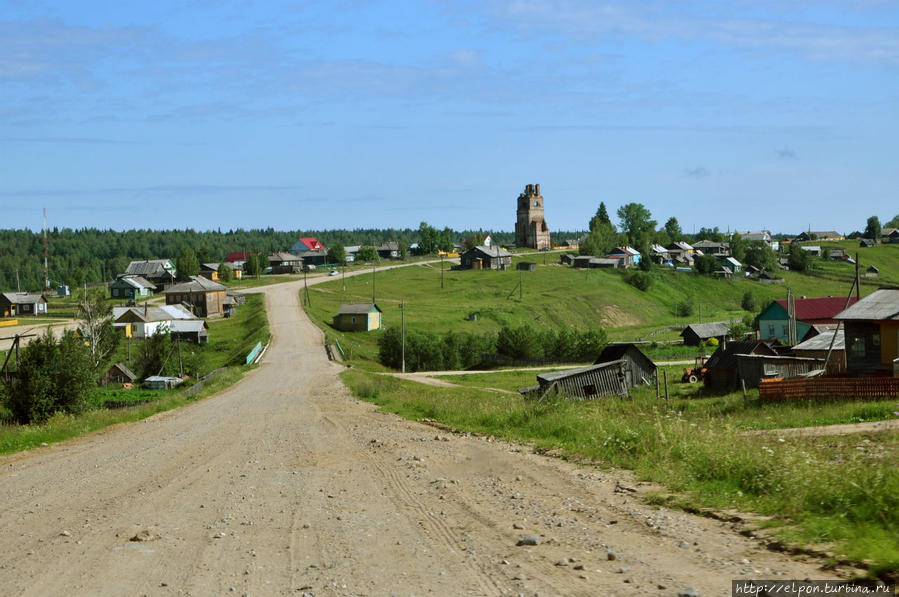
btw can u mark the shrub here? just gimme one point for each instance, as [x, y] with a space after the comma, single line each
[684, 308]
[749, 303]
[52, 377]
[639, 280]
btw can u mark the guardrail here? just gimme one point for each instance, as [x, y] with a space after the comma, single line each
[340, 350]
[254, 352]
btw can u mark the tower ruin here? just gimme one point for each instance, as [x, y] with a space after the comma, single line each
[531, 229]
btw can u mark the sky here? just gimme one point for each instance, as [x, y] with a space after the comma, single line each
[756, 114]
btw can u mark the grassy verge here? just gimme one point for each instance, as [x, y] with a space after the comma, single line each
[836, 494]
[231, 340]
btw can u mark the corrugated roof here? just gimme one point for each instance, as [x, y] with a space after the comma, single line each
[151, 267]
[822, 342]
[492, 251]
[136, 282]
[196, 284]
[556, 375]
[880, 305]
[356, 308]
[708, 330]
[187, 326]
[810, 309]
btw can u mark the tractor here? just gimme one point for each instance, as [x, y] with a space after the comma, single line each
[697, 372]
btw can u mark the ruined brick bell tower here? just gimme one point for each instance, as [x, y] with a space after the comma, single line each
[530, 227]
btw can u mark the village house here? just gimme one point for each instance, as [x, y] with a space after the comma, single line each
[189, 330]
[773, 321]
[146, 321]
[210, 271]
[285, 263]
[730, 263]
[158, 271]
[205, 297]
[811, 250]
[872, 272]
[130, 287]
[358, 317]
[872, 334]
[819, 235]
[721, 368]
[681, 253]
[626, 256]
[660, 255]
[892, 236]
[709, 247]
[482, 257]
[17, 304]
[583, 383]
[306, 244]
[697, 334]
[314, 258]
[389, 250]
[866, 243]
[351, 250]
[118, 374]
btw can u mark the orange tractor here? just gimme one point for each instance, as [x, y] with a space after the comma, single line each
[697, 372]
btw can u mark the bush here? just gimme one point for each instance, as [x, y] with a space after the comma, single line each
[52, 377]
[749, 303]
[684, 308]
[639, 280]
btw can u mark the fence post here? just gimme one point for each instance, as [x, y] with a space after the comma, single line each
[667, 397]
[743, 385]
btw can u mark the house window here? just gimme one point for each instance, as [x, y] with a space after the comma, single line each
[857, 348]
[784, 330]
[26, 308]
[354, 320]
[875, 339]
[771, 331]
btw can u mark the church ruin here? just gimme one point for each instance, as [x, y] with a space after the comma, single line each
[530, 227]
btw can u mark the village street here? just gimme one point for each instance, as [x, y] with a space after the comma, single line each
[284, 485]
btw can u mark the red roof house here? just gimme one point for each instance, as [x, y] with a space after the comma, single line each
[818, 310]
[306, 244]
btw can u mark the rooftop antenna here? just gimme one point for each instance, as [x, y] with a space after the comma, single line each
[46, 268]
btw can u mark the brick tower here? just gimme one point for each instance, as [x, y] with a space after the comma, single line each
[530, 227]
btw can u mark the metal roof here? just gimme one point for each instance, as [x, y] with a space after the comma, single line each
[151, 267]
[708, 330]
[818, 308]
[187, 325]
[196, 284]
[357, 308]
[822, 341]
[136, 281]
[556, 375]
[23, 298]
[492, 251]
[880, 305]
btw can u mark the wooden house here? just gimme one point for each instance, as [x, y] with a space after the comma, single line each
[358, 317]
[696, 334]
[210, 271]
[131, 287]
[118, 374]
[819, 235]
[285, 263]
[872, 272]
[893, 237]
[626, 256]
[752, 368]
[866, 243]
[872, 333]
[774, 321]
[713, 248]
[205, 297]
[314, 258]
[567, 259]
[160, 272]
[17, 304]
[639, 368]
[146, 321]
[189, 330]
[389, 250]
[482, 257]
[721, 368]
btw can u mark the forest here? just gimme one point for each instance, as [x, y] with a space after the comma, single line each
[92, 256]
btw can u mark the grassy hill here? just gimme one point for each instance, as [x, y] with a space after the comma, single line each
[558, 296]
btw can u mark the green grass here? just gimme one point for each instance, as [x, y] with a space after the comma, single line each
[231, 340]
[60, 427]
[554, 296]
[840, 494]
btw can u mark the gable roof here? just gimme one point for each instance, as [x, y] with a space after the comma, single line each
[822, 341]
[23, 298]
[188, 325]
[151, 267]
[880, 305]
[196, 284]
[357, 308]
[235, 256]
[134, 282]
[490, 251]
[124, 370]
[726, 356]
[708, 330]
[307, 244]
[816, 309]
[147, 314]
[284, 257]
[618, 350]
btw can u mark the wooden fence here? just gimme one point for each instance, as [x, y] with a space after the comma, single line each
[826, 388]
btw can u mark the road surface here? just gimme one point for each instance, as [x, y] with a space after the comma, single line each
[284, 485]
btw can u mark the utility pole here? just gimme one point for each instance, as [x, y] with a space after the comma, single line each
[441, 271]
[373, 284]
[520, 284]
[46, 268]
[403, 319]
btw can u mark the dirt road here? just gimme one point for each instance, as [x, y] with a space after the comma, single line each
[285, 485]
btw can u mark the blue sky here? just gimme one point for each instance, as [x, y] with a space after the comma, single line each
[255, 114]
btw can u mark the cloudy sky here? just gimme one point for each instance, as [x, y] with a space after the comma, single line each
[343, 114]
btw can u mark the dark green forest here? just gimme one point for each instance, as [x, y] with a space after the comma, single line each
[89, 255]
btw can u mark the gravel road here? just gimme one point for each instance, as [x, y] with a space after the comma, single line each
[285, 485]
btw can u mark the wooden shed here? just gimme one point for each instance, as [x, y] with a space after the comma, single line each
[358, 317]
[816, 347]
[752, 368]
[526, 266]
[482, 257]
[118, 374]
[721, 367]
[639, 368]
[697, 333]
[587, 383]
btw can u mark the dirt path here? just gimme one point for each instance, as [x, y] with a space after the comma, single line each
[284, 484]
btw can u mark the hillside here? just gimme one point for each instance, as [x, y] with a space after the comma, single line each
[558, 296]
